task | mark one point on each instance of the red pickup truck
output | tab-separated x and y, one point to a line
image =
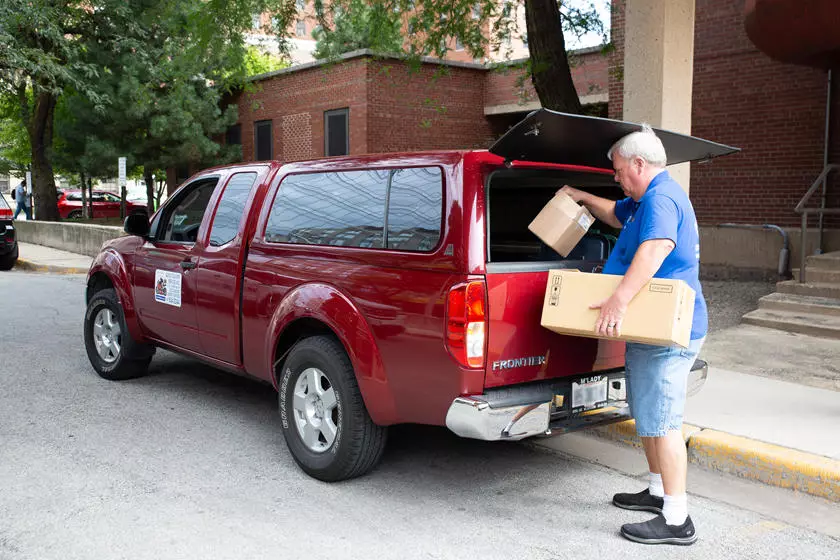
376	290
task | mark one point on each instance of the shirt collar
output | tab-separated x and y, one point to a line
660	178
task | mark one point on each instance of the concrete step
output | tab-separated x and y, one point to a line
821	275
800	304
826	261
825	326
817	289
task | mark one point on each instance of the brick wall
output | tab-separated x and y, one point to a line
773	111
589	73
423	109
616	61
295	103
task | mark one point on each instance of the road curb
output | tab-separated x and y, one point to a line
748	458
23	264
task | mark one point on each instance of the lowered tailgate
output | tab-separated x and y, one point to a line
520	350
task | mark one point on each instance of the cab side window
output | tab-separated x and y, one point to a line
181	222
231	208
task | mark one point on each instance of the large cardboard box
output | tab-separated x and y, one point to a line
661	313
562	223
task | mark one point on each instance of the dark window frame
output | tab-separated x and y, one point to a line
231	138
257	126
327	114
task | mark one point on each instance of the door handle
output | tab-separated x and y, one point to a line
188	265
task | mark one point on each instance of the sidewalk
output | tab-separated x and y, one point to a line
752	426
46	259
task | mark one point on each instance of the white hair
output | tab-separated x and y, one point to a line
642	143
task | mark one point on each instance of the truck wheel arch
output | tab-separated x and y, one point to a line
312	310
108	271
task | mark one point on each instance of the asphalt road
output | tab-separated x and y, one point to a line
189	462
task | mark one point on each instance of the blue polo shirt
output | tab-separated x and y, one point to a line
663	212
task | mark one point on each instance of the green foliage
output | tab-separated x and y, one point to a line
356	24
257	62
14	141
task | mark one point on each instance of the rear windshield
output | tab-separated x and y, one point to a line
516	196
3	203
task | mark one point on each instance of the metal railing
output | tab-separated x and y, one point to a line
821	211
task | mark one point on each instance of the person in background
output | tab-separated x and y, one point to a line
22	199
659	238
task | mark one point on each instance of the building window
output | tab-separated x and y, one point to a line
233	136
300	4
459	46
337	132
524	40
263	143
300	28
476	11
256	21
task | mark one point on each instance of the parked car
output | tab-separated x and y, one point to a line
375	290
8	241
105	205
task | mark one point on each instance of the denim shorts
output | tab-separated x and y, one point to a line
656	385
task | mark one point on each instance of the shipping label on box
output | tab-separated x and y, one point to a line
562	223
660	314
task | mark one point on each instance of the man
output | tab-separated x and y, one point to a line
22	199
659	238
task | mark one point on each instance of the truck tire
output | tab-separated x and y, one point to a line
326	425
75	215
8	260
111	350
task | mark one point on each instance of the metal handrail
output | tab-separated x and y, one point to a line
783	268
801	209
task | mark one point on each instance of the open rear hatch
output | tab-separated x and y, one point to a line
573	149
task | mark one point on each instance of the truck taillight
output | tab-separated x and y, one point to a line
466	324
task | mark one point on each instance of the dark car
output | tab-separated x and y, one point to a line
105	205
8	241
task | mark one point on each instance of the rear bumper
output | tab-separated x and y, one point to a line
543	408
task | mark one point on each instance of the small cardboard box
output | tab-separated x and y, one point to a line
562	223
660	314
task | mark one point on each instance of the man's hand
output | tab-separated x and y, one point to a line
612	314
574	193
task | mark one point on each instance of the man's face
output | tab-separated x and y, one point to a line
629	173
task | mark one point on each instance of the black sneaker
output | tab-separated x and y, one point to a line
641	501
656	531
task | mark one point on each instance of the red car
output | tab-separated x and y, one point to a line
105	205
376	290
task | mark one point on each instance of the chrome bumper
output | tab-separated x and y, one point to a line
476	416
472	417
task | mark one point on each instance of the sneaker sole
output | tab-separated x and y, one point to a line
652	509
682	541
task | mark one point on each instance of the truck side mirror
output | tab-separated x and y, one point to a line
137	224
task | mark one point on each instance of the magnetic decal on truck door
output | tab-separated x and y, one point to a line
168	287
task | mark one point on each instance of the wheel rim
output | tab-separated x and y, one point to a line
107	335
315	410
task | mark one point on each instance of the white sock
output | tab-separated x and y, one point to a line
655	485
675	509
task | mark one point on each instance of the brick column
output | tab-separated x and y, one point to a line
658	67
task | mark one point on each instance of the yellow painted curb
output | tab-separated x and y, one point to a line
23	264
625	432
767	463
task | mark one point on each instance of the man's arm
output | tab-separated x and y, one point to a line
648	258
601	208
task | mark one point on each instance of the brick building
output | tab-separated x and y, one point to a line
368	104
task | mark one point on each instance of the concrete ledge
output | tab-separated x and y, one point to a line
747	458
83	239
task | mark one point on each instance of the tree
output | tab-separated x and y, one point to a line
359	25
50	47
481	26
